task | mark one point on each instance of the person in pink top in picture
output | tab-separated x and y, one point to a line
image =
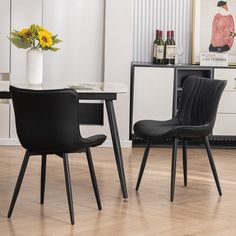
223	29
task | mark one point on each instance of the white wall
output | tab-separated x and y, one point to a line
79	24
23	14
118	55
4	42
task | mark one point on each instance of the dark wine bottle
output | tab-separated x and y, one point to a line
173	47
155	47
169	50
160	49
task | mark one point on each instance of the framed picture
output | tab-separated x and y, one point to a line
214	28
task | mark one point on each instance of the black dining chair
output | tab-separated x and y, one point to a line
195	120
47	122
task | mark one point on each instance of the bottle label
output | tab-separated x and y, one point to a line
160	52
155	50
170	52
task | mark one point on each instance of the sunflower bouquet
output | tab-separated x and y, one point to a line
34	37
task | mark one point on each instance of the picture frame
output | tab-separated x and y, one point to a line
214	27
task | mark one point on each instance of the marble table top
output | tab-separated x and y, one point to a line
86	87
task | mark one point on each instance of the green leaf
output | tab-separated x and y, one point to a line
56	41
54	49
19	43
15	34
54	36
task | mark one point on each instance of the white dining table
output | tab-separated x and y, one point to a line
89	91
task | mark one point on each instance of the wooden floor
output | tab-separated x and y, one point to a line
197	209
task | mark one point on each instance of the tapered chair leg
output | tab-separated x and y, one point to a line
68	187
43	178
18	183
213	168
173	169
143	164
93	178
185	161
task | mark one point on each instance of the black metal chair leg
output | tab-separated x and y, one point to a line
18	183
142	167
43	178
93	178
173	169
68	187
185	161
213	168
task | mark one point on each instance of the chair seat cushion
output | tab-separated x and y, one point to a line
159	130
153	129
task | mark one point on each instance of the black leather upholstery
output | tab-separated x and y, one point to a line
47	121
196	115
195	119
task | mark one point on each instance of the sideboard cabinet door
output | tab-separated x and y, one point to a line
226	116
153	93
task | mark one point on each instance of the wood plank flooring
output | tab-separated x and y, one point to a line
197	209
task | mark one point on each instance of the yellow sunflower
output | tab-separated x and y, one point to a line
45	30
25	33
45	39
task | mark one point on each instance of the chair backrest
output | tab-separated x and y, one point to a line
47	120
200	100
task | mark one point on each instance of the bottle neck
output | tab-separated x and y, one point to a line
168	35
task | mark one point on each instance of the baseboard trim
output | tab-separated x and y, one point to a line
107	143
9	142
123	143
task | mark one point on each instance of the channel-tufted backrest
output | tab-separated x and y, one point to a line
200	100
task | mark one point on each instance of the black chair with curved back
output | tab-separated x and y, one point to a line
47	122
195	119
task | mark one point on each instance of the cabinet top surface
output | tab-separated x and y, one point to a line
149	64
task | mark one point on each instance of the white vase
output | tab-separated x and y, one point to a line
34	63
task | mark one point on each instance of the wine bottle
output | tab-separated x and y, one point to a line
169	49
173	47
167	46
160	49
155	47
